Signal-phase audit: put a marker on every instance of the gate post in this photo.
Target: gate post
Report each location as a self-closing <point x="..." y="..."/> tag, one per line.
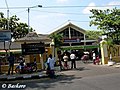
<point x="104" y="52"/>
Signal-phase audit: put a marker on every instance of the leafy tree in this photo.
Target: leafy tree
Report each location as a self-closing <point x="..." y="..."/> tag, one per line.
<point x="57" y="39"/>
<point x="3" y="21"/>
<point x="17" y="28"/>
<point x="20" y="31"/>
<point x="107" y="21"/>
<point x="92" y="34"/>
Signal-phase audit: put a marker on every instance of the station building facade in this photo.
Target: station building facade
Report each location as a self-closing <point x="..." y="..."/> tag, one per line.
<point x="75" y="38"/>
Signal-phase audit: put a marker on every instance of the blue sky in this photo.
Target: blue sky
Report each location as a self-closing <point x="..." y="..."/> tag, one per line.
<point x="44" y="20"/>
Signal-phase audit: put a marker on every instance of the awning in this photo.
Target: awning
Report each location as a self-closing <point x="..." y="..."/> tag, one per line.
<point x="14" y="51"/>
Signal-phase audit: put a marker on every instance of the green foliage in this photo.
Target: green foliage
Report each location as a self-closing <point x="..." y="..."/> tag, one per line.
<point x="108" y="21"/>
<point x="92" y="34"/>
<point x="57" y="39"/>
<point x="17" y="28"/>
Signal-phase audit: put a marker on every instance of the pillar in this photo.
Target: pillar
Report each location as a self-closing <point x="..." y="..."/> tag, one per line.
<point x="41" y="61"/>
<point x="104" y="52"/>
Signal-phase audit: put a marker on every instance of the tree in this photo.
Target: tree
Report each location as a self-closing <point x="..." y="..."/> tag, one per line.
<point x="18" y="29"/>
<point x="3" y="21"/>
<point x="108" y="21"/>
<point x="57" y="43"/>
<point x="92" y="34"/>
<point x="57" y="39"/>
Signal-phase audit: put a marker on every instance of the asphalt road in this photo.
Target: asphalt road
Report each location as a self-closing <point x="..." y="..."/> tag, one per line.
<point x="85" y="77"/>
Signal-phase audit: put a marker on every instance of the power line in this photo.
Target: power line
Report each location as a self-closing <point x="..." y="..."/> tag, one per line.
<point x="59" y="7"/>
<point x="14" y="7"/>
<point x="62" y="12"/>
<point x="78" y="21"/>
<point x="78" y="6"/>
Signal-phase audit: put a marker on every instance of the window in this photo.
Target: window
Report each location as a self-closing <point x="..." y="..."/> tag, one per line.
<point x="65" y="33"/>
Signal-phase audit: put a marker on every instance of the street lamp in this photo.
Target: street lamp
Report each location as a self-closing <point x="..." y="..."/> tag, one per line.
<point x="29" y="15"/>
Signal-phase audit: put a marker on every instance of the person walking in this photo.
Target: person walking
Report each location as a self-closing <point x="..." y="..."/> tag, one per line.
<point x="51" y="63"/>
<point x="65" y="58"/>
<point x="73" y="62"/>
<point x="11" y="60"/>
<point x="94" y="57"/>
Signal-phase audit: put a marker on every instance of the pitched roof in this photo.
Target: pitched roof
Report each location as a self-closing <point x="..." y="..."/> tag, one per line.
<point x="30" y="37"/>
<point x="7" y="45"/>
<point x="34" y="37"/>
<point x="66" y="25"/>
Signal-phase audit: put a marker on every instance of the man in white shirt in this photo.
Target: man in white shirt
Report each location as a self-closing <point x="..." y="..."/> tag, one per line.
<point x="94" y="57"/>
<point x="73" y="62"/>
<point x="51" y="63"/>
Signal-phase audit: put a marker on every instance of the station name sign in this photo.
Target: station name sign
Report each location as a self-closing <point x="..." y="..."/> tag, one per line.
<point x="72" y="40"/>
<point x="33" y="48"/>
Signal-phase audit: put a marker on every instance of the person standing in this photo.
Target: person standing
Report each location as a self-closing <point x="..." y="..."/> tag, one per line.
<point x="51" y="63"/>
<point x="60" y="63"/>
<point x="65" y="58"/>
<point x="11" y="60"/>
<point x="35" y="64"/>
<point x="73" y="62"/>
<point x="94" y="57"/>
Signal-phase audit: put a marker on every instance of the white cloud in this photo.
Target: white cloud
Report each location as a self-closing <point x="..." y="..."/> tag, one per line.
<point x="90" y="6"/>
<point x="111" y="3"/>
<point x="61" y="1"/>
<point x="114" y="3"/>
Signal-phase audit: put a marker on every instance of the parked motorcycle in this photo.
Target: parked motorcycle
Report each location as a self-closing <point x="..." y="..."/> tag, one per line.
<point x="28" y="68"/>
<point x="85" y="58"/>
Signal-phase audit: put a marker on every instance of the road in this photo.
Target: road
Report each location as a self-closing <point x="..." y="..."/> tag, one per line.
<point x="85" y="77"/>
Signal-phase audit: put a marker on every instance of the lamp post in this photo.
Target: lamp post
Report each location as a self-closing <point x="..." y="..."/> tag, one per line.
<point x="29" y="15"/>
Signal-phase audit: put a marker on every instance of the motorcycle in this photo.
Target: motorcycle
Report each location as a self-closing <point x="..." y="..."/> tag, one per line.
<point x="28" y="68"/>
<point x="85" y="58"/>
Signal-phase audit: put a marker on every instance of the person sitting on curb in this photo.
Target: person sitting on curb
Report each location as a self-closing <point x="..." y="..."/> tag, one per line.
<point x="97" y="61"/>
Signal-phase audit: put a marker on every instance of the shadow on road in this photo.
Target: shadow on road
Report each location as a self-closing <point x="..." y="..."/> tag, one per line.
<point x="51" y="83"/>
<point x="45" y="83"/>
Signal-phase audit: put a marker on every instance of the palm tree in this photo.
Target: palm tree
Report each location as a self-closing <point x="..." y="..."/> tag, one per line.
<point x="57" y="39"/>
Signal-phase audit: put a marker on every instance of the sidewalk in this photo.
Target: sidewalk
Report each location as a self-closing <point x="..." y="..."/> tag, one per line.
<point x="34" y="75"/>
<point x="23" y="76"/>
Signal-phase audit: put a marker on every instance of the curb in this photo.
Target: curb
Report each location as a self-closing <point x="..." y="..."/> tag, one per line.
<point x="24" y="77"/>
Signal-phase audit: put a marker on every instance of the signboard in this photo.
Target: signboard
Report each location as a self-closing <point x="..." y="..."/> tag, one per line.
<point x="33" y="48"/>
<point x="5" y="35"/>
<point x="72" y="40"/>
